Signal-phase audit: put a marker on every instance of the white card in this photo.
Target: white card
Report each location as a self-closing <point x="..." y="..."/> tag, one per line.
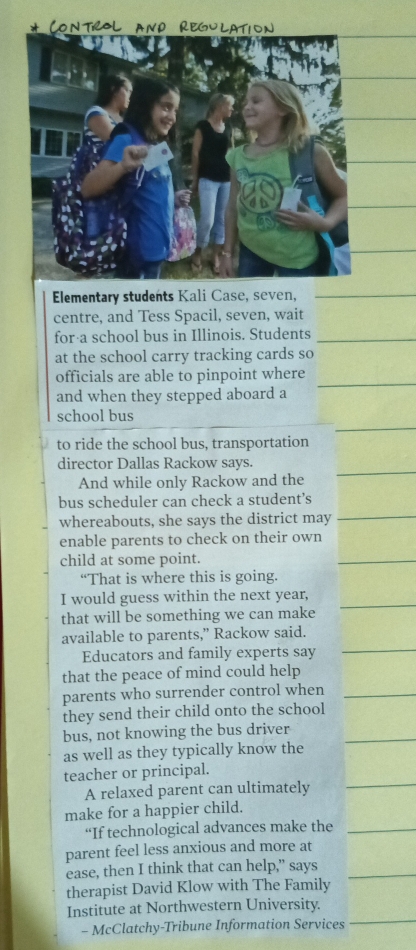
<point x="159" y="154"/>
<point x="290" y="200"/>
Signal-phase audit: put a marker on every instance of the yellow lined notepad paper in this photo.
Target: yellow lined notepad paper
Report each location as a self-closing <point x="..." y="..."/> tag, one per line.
<point x="367" y="388"/>
<point x="367" y="334"/>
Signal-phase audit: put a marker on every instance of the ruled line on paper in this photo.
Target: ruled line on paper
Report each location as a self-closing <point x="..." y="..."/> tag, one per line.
<point x="371" y="474"/>
<point x="393" y="250"/>
<point x="400" y="785"/>
<point x="380" y="696"/>
<point x="381" y="831"/>
<point x="376" y="741"/>
<point x="384" y="429"/>
<point x="411" y="650"/>
<point x="335" y="341"/>
<point x="376" y="36"/>
<point x="396" y="561"/>
<point x="361" y="923"/>
<point x="362" y="386"/>
<point x="373" y="877"/>
<point x="380" y="518"/>
<point x="361" y="296"/>
<point x="378" y="78"/>
<point x="379" y="207"/>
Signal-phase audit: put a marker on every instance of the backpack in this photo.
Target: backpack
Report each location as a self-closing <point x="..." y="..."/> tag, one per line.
<point x="89" y="235"/>
<point x="302" y="167"/>
<point x="184" y="234"/>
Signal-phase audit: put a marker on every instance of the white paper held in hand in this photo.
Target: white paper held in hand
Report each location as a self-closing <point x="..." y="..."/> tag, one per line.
<point x="157" y="155"/>
<point x="290" y="200"/>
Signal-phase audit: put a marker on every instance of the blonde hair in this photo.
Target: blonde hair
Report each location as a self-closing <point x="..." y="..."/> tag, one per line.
<point x="295" y="124"/>
<point x="217" y="100"/>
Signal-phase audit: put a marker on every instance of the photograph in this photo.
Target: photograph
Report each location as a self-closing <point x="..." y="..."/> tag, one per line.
<point x="187" y="158"/>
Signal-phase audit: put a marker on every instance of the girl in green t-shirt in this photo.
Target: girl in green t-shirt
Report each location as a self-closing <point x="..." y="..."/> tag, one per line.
<point x="272" y="241"/>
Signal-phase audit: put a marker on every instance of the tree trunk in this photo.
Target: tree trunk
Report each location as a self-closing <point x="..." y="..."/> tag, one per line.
<point x="176" y="62"/>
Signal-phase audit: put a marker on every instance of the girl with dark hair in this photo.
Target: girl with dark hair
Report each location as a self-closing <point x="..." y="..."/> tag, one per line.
<point x="112" y="101"/>
<point x="148" y="195"/>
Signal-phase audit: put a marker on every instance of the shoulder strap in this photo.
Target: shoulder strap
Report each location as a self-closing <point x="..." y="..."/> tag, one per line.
<point x="302" y="167"/>
<point x="125" y="128"/>
<point x="302" y="164"/>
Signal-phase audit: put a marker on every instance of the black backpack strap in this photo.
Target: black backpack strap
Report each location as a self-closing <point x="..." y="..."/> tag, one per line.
<point x="120" y="129"/>
<point x="302" y="167"/>
<point x="302" y="164"/>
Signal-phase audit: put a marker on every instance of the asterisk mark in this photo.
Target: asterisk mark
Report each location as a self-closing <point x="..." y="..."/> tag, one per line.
<point x="34" y="28"/>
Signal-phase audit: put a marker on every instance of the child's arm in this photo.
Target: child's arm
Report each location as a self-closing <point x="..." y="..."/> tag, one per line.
<point x="231" y="230"/>
<point x="307" y="220"/>
<point x="101" y="126"/>
<point x="106" y="174"/>
<point x="334" y="185"/>
<point x="196" y="148"/>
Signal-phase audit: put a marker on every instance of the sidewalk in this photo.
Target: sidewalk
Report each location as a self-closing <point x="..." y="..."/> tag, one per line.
<point x="45" y="265"/>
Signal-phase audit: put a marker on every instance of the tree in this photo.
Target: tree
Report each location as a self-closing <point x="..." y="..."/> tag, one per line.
<point x="311" y="63"/>
<point x="228" y="64"/>
<point x="214" y="62"/>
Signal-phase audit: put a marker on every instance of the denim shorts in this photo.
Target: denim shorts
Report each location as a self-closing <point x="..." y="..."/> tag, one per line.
<point x="251" y="265"/>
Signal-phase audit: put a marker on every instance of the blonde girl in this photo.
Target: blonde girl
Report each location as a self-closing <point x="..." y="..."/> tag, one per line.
<point x="273" y="241"/>
<point x="211" y="176"/>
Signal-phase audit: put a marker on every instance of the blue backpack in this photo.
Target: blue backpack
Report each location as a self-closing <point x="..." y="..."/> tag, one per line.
<point x="89" y="234"/>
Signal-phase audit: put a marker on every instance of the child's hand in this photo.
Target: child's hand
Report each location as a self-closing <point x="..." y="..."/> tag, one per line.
<point x="182" y="198"/>
<point x="304" y="219"/>
<point x="133" y="157"/>
<point x="226" y="266"/>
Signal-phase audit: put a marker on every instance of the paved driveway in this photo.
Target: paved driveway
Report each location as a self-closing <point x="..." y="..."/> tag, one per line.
<point x="46" y="268"/>
<point x="45" y="263"/>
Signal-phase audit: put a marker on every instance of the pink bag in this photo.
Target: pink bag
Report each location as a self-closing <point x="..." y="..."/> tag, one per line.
<point x="184" y="234"/>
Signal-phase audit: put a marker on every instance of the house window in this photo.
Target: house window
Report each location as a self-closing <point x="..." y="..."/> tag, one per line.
<point x="69" y="70"/>
<point x="35" y="141"/>
<point x="45" y="64"/>
<point x="73" y="140"/>
<point x="59" y="143"/>
<point x="90" y="76"/>
<point x="59" y="70"/>
<point x="76" y="71"/>
<point x="53" y="142"/>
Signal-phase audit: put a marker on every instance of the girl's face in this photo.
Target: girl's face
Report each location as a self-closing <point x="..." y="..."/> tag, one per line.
<point x="227" y="109"/>
<point x="163" y="114"/>
<point x="261" y="109"/>
<point x="121" y="98"/>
